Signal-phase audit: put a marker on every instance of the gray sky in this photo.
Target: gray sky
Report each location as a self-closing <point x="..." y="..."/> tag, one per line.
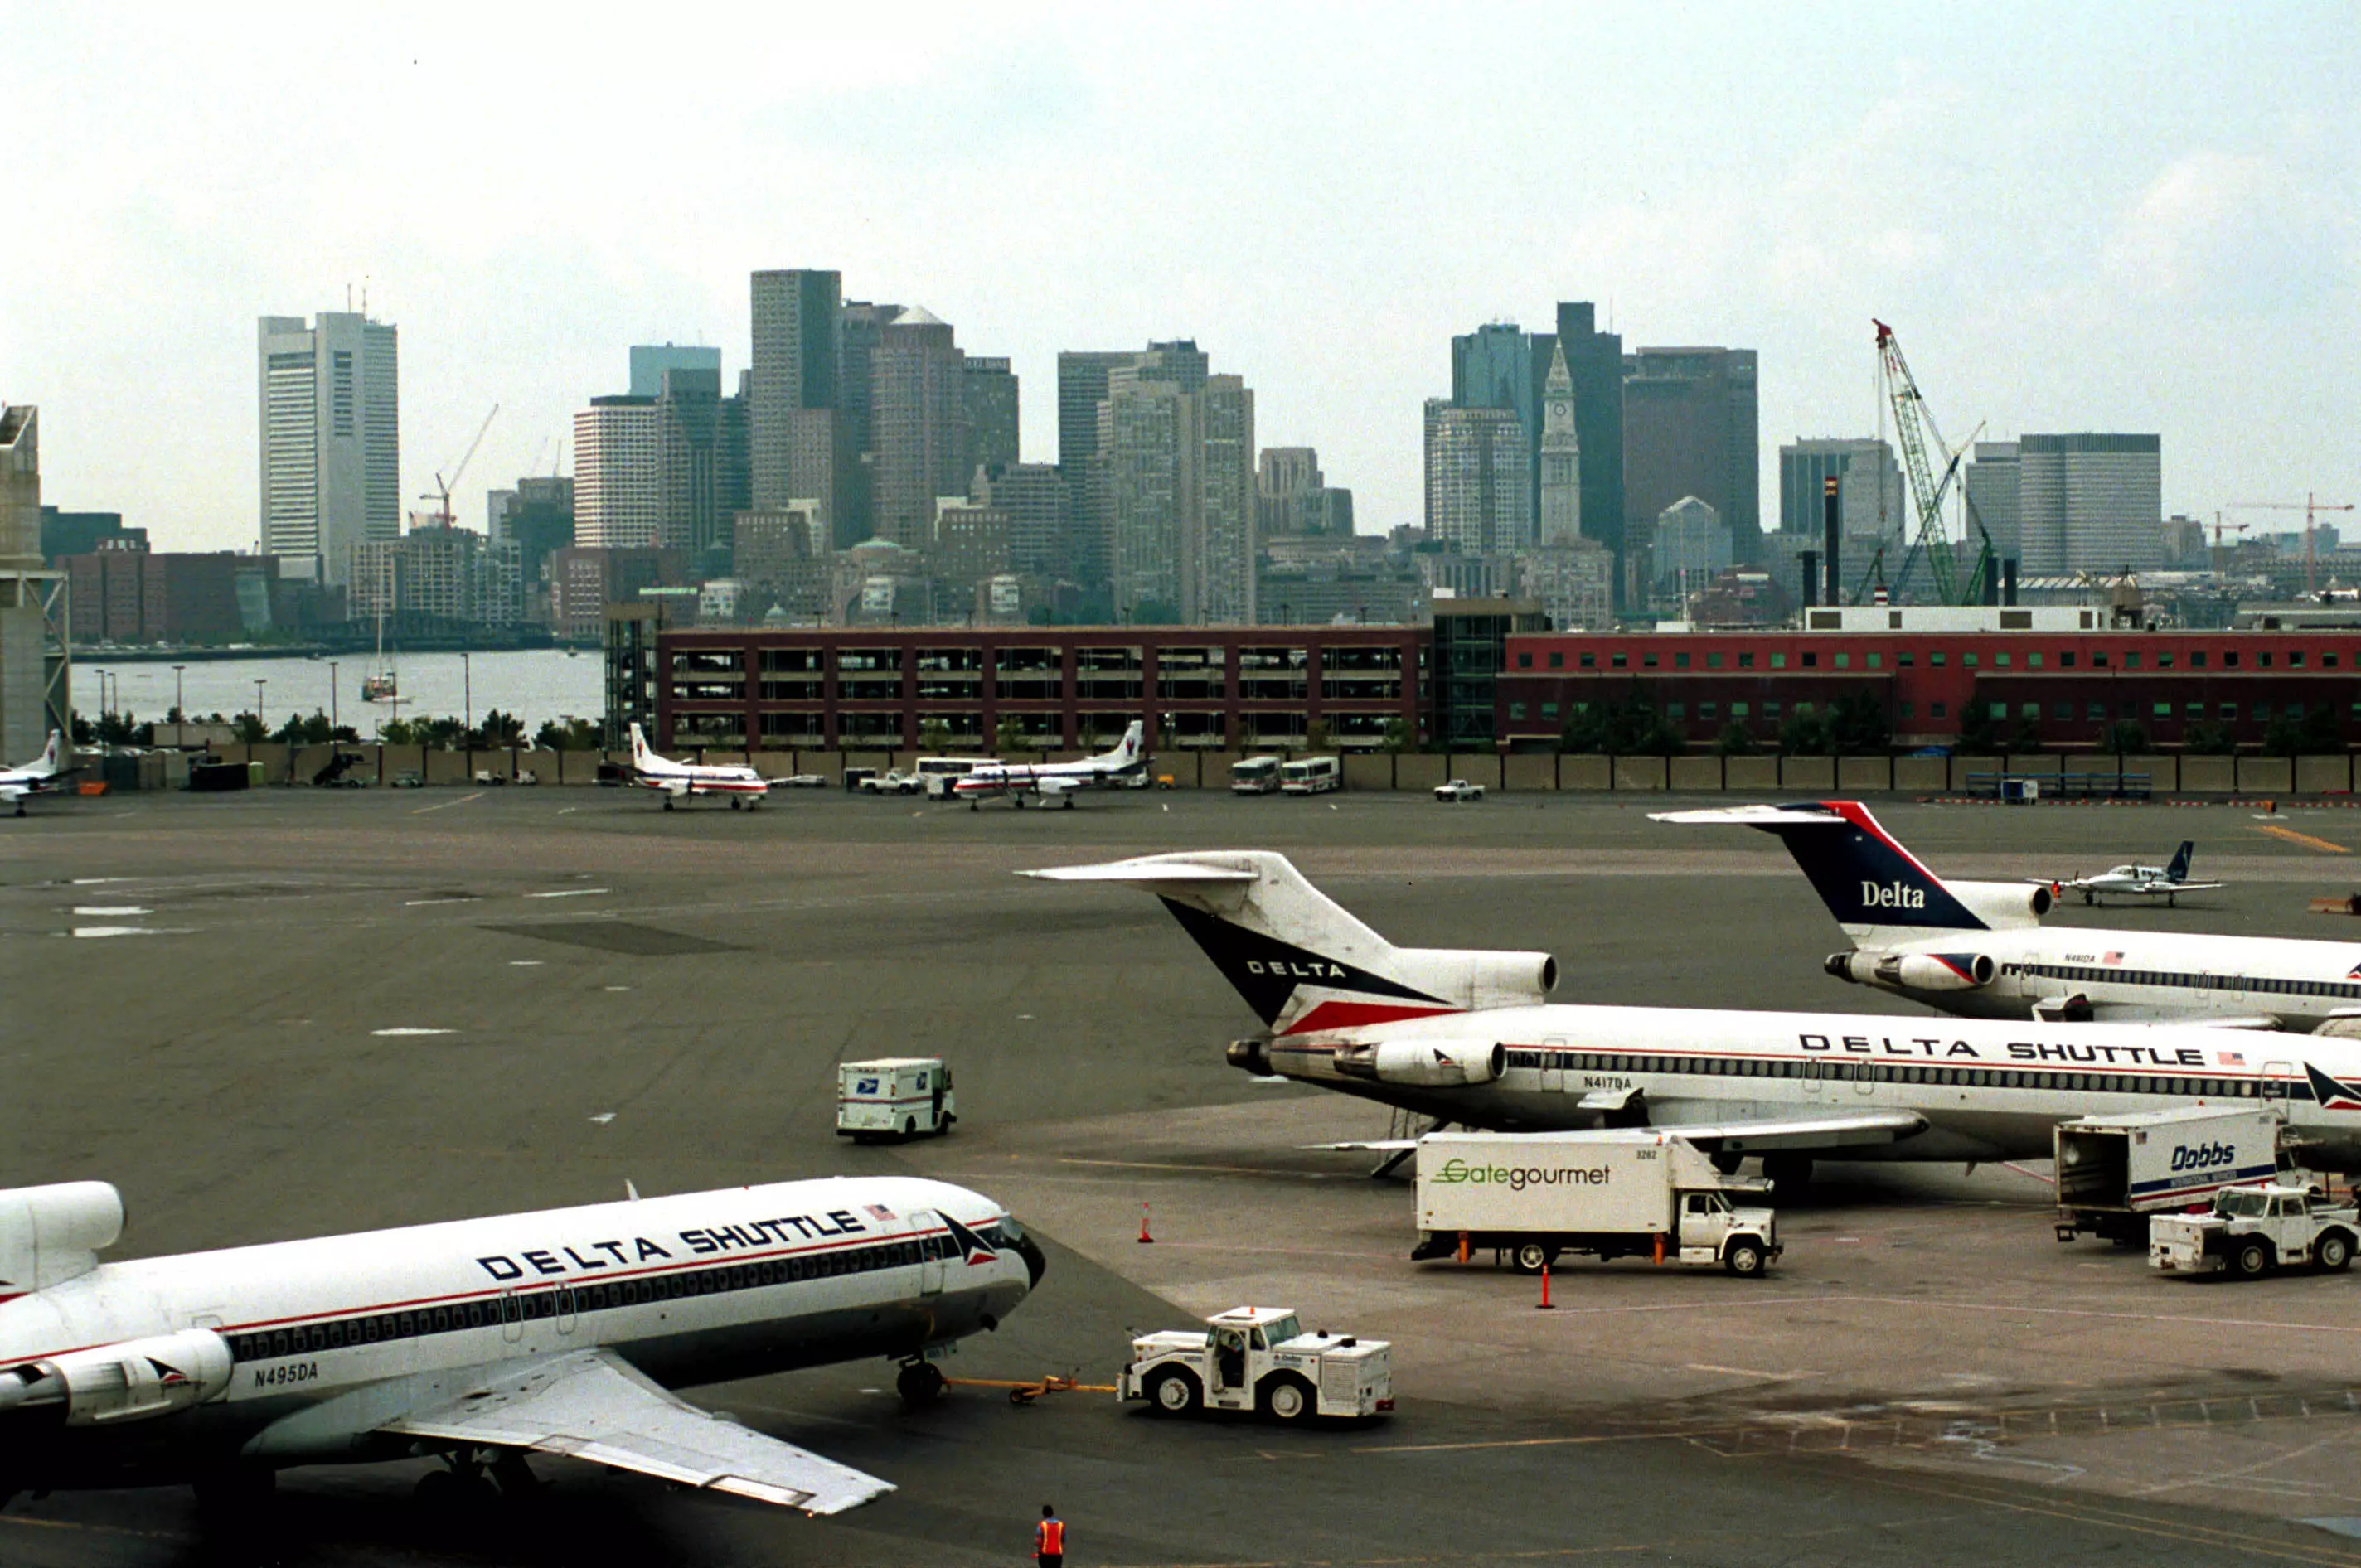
<point x="2077" y="218"/>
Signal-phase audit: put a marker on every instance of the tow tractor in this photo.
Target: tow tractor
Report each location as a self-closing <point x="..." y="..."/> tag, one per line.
<point x="1259" y="1359"/>
<point x="2254" y="1229"/>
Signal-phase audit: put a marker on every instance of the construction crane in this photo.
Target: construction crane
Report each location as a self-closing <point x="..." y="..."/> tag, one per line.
<point x="1914" y="428"/>
<point x="2310" y="505"/>
<point x="442" y="495"/>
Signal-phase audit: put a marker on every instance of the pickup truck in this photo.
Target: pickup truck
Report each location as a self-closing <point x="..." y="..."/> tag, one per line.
<point x="896" y="782"/>
<point x="2254" y="1229"/>
<point x="1458" y="790"/>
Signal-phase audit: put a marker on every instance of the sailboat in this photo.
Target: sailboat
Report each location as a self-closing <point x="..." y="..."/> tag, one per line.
<point x="378" y="686"/>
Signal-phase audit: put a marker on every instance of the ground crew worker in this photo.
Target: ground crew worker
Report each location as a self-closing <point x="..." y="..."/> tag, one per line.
<point x="1050" y="1539"/>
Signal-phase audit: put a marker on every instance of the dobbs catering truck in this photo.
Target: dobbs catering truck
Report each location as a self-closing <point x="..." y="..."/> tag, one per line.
<point x="2115" y="1171"/>
<point x="1636" y="1193"/>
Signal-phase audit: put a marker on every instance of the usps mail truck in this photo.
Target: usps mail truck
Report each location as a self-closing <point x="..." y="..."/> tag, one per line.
<point x="894" y="1097"/>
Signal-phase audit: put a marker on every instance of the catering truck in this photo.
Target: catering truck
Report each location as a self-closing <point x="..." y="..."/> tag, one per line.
<point x="1529" y="1197"/>
<point x="2254" y="1229"/>
<point x="2114" y="1171"/>
<point x="1259" y="1359"/>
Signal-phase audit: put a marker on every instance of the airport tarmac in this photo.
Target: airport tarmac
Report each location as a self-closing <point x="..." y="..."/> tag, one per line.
<point x="289" y="1012"/>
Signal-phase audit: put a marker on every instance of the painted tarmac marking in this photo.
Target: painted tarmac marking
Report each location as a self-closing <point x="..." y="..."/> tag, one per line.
<point x="447" y="805"/>
<point x="2306" y="839"/>
<point x="410" y="1031"/>
<point x="428" y="903"/>
<point x="110" y="909"/>
<point x="603" y="1117"/>
<point x="568" y="893"/>
<point x="132" y="930"/>
<point x="525" y="963"/>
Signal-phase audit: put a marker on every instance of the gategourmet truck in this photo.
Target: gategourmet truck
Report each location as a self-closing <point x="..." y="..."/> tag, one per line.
<point x="1638" y="1193"/>
<point x="2114" y="1171"/>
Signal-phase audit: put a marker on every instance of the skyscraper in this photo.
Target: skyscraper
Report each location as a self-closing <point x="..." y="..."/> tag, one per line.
<point x="1561" y="487"/>
<point x="1991" y="478"/>
<point x="1085" y="380"/>
<point x="1870" y="501"/>
<point x="1594" y="362"/>
<point x="922" y="446"/>
<point x="1217" y="584"/>
<point x="331" y="447"/>
<point x="1038" y="502"/>
<point x="700" y="484"/>
<point x="651" y="360"/>
<point x="796" y="362"/>
<point x="989" y="389"/>
<point x="2091" y="502"/>
<point x="1477" y="463"/>
<point x="618" y="490"/>
<point x="1690" y="428"/>
<point x="1176" y="449"/>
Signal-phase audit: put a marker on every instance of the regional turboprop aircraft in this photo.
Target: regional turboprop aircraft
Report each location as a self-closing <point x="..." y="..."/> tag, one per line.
<point x="42" y="775"/>
<point x="1977" y="949"/>
<point x="1056" y="781"/>
<point x="2167" y="882"/>
<point x="1465" y="1036"/>
<point x="481" y="1341"/>
<point x="742" y="784"/>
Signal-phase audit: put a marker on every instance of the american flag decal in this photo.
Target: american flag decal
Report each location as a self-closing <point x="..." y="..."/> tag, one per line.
<point x="2115" y="957"/>
<point x="879" y="1212"/>
<point x="2231" y="1059"/>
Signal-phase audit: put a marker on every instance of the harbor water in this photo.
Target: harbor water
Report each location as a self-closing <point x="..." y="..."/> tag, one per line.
<point x="535" y="684"/>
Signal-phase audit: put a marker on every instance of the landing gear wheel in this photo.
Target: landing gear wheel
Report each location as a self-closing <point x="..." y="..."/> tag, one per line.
<point x="1173" y="1392"/>
<point x="1068" y="803"/>
<point x="2251" y="1258"/>
<point x="737" y="804"/>
<point x="2334" y="1254"/>
<point x="1531" y="1258"/>
<point x="1287" y="1399"/>
<point x="1744" y="1259"/>
<point x="667" y="803"/>
<point x="920" y="1384"/>
<point x="1018" y="800"/>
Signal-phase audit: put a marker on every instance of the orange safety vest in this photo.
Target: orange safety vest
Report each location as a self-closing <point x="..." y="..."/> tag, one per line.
<point x="1050" y="1538"/>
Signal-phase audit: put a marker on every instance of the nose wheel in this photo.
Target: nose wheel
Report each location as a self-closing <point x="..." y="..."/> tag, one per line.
<point x="920" y="1384"/>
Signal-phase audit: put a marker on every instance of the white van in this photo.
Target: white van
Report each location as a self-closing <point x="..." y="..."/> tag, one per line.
<point x="1310" y="775"/>
<point x="938" y="773"/>
<point x="1255" y="776"/>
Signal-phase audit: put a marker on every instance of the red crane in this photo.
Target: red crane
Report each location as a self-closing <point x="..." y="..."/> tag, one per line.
<point x="2311" y="505"/>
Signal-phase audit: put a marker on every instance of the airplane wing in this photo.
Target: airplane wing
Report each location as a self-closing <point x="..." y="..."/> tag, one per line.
<point x="2186" y="886"/>
<point x="1742" y="1136"/>
<point x="593" y="1405"/>
<point x="1147" y="872"/>
<point x="1753" y="816"/>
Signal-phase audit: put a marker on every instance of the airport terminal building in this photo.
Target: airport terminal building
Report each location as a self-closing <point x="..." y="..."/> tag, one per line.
<point x="1487" y="676"/>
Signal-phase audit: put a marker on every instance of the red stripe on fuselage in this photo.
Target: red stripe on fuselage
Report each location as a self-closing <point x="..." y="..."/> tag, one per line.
<point x="1353" y="1015"/>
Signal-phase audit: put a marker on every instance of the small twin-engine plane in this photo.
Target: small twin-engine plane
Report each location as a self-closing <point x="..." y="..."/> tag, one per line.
<point x="2167" y="882"/>
<point x="479" y="1341"/>
<point x="676" y="780"/>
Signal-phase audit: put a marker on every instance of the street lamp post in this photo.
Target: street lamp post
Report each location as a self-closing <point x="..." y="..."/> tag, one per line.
<point x="467" y="696"/>
<point x="331" y="702"/>
<point x="259" y="720"/>
<point x="180" y="710"/>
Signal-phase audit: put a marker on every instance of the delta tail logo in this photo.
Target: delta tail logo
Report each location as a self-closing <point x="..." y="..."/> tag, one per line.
<point x="972" y="1247"/>
<point x="2332" y="1094"/>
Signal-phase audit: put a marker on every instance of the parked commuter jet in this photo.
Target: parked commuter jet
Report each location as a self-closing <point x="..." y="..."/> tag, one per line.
<point x="42" y="775"/>
<point x="676" y="781"/>
<point x="1467" y="1036"/>
<point x="1977" y="949"/>
<point x="2167" y="883"/>
<point x="481" y="1341"/>
<point x="1056" y="781"/>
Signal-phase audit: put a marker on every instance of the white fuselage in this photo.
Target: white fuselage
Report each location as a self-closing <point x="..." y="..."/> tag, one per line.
<point x="1987" y="1090"/>
<point x="697" y="778"/>
<point x="2137" y="974"/>
<point x="332" y="1337"/>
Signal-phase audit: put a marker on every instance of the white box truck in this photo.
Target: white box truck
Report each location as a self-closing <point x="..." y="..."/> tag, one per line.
<point x="894" y="1097"/>
<point x="1530" y="1197"/>
<point x="2114" y="1171"/>
<point x="1310" y="775"/>
<point x="1255" y="776"/>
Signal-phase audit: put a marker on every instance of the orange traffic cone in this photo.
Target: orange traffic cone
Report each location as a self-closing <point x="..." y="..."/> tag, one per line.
<point x="1145" y="1239"/>
<point x="1545" y="1306"/>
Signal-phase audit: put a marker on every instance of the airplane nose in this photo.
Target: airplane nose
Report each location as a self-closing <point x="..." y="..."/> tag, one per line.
<point x="1035" y="1264"/>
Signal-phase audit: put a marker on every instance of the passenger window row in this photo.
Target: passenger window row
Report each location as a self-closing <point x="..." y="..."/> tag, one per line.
<point x="592" y="1296"/>
<point x="1853" y="1070"/>
<point x="2254" y="985"/>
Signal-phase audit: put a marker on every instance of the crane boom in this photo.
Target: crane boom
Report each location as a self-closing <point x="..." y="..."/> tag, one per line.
<point x="1915" y="430"/>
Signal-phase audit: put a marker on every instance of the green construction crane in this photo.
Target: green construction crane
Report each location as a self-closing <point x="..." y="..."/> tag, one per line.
<point x="1914" y="427"/>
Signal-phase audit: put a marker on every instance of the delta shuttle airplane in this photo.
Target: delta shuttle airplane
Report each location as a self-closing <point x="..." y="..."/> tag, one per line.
<point x="1465" y="1036"/>
<point x="42" y="775"/>
<point x="1978" y="949"/>
<point x="1056" y="781"/>
<point x="481" y="1341"/>
<point x="676" y="781"/>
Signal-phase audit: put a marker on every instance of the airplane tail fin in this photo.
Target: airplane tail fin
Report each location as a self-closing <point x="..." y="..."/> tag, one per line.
<point x="1865" y="876"/>
<point x="639" y="747"/>
<point x="52" y="754"/>
<point x="1127" y="751"/>
<point x="2178" y="870"/>
<point x="1299" y="959"/>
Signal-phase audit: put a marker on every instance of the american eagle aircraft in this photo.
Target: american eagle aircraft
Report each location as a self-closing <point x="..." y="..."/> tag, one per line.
<point x="676" y="780"/>
<point x="2167" y="882"/>
<point x="42" y="775"/>
<point x="1056" y="781"/>
<point x="1467" y="1036"/>
<point x="1978" y="949"/>
<point x="479" y="1341"/>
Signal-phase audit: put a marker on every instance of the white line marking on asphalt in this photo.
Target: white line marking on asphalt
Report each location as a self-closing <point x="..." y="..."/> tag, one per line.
<point x="110" y="909"/>
<point x="133" y="930"/>
<point x="603" y="1117"/>
<point x="568" y="893"/>
<point x="428" y="903"/>
<point x="447" y="805"/>
<point x="619" y="988"/>
<point x="525" y="963"/>
<point x="95" y="881"/>
<point x="410" y="1031"/>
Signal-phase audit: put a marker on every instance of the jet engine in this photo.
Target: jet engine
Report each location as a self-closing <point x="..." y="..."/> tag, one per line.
<point x="51" y="1235"/>
<point x="2005" y="906"/>
<point x="1472" y="979"/>
<point x="1915" y="971"/>
<point x="1434" y="1063"/>
<point x="127" y="1381"/>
